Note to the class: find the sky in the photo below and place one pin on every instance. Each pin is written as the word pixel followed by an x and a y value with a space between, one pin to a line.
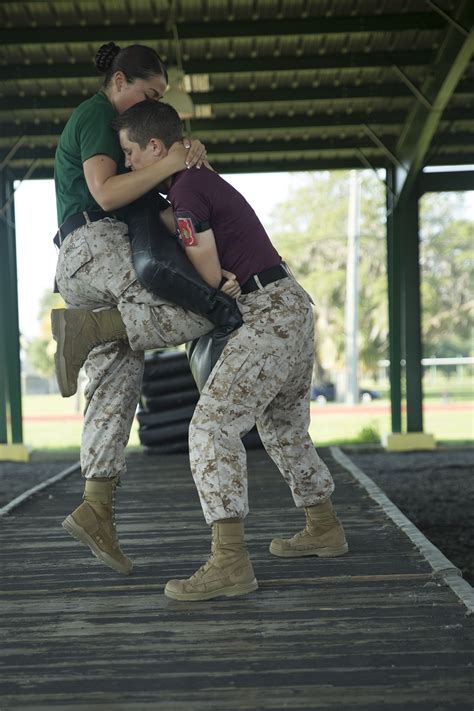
pixel 36 225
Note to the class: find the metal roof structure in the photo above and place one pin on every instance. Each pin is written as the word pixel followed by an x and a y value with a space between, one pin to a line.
pixel 277 84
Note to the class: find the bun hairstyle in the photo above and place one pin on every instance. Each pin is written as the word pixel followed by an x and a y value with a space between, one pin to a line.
pixel 137 61
pixel 105 56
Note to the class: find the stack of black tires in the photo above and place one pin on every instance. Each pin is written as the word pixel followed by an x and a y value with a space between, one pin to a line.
pixel 169 396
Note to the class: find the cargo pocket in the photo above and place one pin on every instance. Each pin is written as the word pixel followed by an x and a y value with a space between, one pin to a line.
pixel 234 376
pixel 77 253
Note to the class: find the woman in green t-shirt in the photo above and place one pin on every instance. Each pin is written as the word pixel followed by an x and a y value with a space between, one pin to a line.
pixel 89 170
pixel 95 271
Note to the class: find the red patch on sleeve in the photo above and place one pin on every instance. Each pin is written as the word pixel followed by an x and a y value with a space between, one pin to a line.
pixel 186 229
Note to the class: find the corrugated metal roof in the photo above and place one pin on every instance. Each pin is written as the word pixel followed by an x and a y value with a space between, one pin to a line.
pixel 274 82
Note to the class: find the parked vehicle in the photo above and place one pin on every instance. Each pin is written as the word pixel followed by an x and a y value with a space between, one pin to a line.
pixel 326 392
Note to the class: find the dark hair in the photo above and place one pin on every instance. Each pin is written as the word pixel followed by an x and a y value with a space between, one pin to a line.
pixel 150 119
pixel 135 61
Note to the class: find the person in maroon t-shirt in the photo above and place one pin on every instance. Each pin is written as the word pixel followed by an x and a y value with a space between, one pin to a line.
pixel 262 377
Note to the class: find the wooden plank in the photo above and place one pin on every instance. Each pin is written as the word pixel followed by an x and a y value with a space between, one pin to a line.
pixel 368 630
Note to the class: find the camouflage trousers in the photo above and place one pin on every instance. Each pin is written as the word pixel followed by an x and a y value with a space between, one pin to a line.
pixel 263 377
pixel 94 271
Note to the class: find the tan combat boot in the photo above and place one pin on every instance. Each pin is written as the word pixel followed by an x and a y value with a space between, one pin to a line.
pixel 228 571
pixel 323 536
pixel 77 331
pixel 93 523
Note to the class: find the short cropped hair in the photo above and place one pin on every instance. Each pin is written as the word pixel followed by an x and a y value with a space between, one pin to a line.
pixel 150 119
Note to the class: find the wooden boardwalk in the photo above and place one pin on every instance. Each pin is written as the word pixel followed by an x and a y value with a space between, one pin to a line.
pixel 374 630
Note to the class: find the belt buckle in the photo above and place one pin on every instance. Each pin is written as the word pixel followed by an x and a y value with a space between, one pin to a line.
pixel 257 281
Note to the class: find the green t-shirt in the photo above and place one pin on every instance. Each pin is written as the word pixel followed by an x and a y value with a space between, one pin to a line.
pixel 87 133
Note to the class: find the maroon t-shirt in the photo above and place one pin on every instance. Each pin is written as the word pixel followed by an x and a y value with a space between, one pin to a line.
pixel 243 246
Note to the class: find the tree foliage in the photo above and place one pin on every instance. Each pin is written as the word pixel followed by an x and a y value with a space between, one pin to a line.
pixel 310 232
pixel 447 268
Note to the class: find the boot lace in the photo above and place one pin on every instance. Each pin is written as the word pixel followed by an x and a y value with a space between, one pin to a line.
pixel 301 535
pixel 201 572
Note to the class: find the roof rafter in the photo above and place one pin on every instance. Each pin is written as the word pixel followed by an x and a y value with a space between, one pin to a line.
pixel 457 180
pixel 224 65
pixel 236 28
pixel 241 96
pixel 45 127
pixel 422 121
pixel 282 145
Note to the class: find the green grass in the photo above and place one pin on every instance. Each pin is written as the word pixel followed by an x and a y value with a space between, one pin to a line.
pixel 450 426
pixel 326 427
pixel 61 434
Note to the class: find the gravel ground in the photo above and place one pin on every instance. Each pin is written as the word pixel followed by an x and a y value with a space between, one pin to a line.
pixel 435 490
pixel 17 477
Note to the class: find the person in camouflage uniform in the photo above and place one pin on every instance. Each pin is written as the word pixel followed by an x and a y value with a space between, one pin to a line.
pixel 95 271
pixel 262 377
pixel 104 276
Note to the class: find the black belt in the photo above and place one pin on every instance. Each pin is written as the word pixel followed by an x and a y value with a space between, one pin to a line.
pixel 78 220
pixel 258 281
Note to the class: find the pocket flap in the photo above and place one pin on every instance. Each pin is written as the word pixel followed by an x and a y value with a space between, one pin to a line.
pixel 77 254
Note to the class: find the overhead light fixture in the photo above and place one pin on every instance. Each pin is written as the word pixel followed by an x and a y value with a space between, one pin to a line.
pixel 176 94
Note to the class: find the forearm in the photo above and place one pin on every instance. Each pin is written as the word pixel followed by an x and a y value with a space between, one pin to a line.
pixel 120 190
pixel 210 272
pixel 206 263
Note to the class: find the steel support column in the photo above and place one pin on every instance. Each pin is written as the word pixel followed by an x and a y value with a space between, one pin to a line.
pixel 3 401
pixel 10 368
pixel 407 215
pixel 394 305
pixel 3 324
